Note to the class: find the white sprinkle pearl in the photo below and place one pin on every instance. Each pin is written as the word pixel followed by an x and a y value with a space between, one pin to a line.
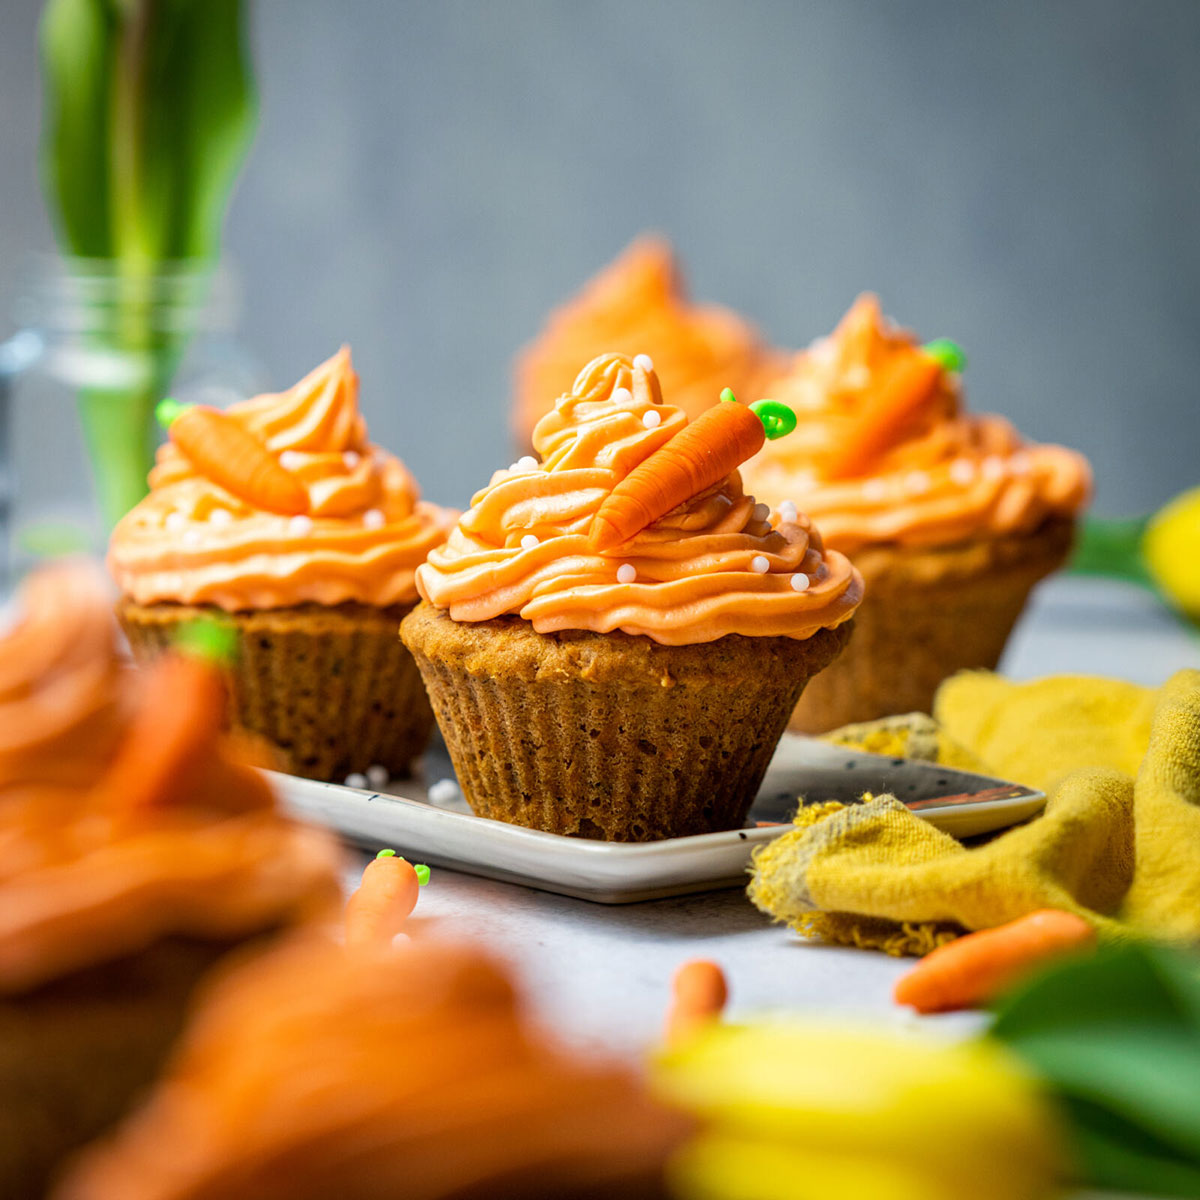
pixel 191 537
pixel 626 573
pixel 644 362
pixel 762 512
pixel 799 582
pixel 1020 463
pixel 962 471
pixel 220 516
pixel 378 775
pixel 526 463
pixel 622 396
pixel 443 791
pixel 356 779
pixel 351 459
pixel 300 526
pixel 530 541
pixel 874 490
pixel 652 418
pixel 994 468
pixel 788 511
pixel 291 460
pixel 373 518
pixel 917 482
pixel 760 564
pixel 856 376
pixel 176 521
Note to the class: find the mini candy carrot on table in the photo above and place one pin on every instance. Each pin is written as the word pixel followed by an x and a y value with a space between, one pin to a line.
pixel 698 456
pixel 897 393
pixel 232 457
pixel 698 996
pixel 386 896
pixel 975 969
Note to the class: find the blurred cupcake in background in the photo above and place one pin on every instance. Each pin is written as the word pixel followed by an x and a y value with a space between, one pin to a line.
pixel 624 682
pixel 638 305
pixel 952 518
pixel 415 1073
pixel 280 516
pixel 135 853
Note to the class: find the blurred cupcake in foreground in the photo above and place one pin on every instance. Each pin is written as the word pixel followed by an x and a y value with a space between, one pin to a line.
pixel 312 1073
pixel 638 305
pixel 612 638
pixel 281 517
pixel 951 518
pixel 134 854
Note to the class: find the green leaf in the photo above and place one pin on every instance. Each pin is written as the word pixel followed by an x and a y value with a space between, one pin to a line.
pixel 1116 1037
pixel 77 39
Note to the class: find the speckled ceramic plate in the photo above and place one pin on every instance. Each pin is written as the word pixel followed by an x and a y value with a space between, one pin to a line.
pixel 427 819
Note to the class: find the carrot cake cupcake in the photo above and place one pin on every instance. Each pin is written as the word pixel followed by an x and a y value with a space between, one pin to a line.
pixel 952 518
pixel 638 304
pixel 615 633
pixel 314 1073
pixel 281 517
pixel 134 854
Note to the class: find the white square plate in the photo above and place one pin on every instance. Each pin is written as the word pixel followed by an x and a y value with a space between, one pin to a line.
pixel 447 835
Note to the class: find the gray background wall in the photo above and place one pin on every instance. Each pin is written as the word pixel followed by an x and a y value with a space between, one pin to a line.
pixel 430 178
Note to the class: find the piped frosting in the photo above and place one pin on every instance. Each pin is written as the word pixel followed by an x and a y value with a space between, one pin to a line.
pixel 942 476
pixel 363 535
pixel 693 576
pixel 83 879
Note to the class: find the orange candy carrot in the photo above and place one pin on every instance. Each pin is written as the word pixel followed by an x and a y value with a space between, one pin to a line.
pixel 233 457
pixel 177 722
pixel 698 996
pixel 377 911
pixel 975 969
pixel 698 456
pixel 898 392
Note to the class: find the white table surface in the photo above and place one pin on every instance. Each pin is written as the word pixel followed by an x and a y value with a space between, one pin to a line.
pixel 599 974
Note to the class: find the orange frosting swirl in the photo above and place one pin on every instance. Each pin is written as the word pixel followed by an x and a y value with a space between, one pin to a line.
pixel 945 477
pixel 192 542
pixel 307 1073
pixel 716 565
pixel 64 694
pixel 638 305
pixel 83 880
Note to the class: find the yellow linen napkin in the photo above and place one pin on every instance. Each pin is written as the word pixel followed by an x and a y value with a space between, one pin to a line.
pixel 1125 856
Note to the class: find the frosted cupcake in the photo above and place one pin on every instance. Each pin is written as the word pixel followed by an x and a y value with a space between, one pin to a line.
pixel 309 1075
pixel 623 682
pixel 638 304
pixel 952 518
pixel 305 538
pixel 135 854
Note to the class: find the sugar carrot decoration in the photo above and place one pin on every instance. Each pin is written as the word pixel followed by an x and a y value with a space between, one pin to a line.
pixel 386 896
pixel 698 456
pixel 232 457
pixel 975 969
pixel 898 392
pixel 698 996
pixel 174 732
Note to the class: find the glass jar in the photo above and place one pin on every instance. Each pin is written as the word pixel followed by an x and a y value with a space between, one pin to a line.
pixel 98 348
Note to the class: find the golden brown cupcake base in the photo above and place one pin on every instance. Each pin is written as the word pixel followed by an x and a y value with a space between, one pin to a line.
pixel 76 1054
pixel 926 614
pixel 332 687
pixel 609 736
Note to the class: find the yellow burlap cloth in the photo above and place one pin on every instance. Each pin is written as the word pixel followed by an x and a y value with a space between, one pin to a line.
pixel 1118 842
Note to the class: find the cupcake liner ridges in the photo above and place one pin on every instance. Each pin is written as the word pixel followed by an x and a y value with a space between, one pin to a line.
pixel 609 736
pixel 332 688
pixel 926 614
